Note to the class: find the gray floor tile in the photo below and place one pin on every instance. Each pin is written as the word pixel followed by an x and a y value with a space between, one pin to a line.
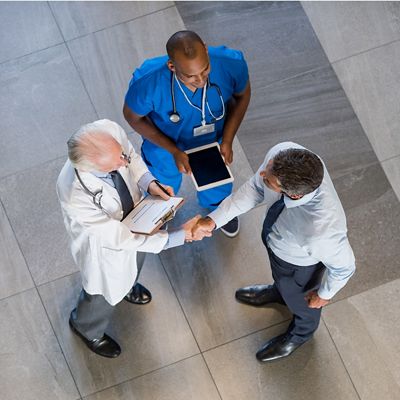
pixel 31 203
pixel 276 37
pixel 151 336
pixel 42 102
pixel 312 110
pixel 206 274
pixel 314 371
pixel 392 170
pixel 15 276
pixel 107 68
pixel 370 81
pixel 366 329
pixel 356 25
pixel 26 27
pixel 188 379
pixel 373 220
pixel 31 362
pixel 80 18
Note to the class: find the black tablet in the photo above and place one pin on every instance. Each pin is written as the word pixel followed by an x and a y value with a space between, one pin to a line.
pixel 208 167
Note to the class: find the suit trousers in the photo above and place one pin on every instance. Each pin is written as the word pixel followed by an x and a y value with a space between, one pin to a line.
pixel 293 282
pixel 93 313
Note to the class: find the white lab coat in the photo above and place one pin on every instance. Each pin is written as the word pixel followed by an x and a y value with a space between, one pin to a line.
pixel 103 248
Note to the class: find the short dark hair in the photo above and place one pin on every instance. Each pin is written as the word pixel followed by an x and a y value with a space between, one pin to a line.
pixel 299 171
pixel 183 42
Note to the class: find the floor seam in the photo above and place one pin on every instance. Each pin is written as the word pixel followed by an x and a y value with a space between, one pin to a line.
pixel 341 359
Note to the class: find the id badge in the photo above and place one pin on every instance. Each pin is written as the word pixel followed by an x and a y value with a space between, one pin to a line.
pixel 203 129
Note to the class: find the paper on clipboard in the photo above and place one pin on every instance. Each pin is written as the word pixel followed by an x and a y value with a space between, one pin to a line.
pixel 151 213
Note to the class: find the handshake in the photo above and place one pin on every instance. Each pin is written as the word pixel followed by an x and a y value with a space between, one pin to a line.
pixel 197 228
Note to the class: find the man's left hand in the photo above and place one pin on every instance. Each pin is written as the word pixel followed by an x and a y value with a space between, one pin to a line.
pixel 227 152
pixel 314 301
pixel 155 190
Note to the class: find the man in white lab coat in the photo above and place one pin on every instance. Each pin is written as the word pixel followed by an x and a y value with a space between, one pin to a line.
pixel 98 186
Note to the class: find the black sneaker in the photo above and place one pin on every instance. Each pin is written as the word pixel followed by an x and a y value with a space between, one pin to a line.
pixel 231 229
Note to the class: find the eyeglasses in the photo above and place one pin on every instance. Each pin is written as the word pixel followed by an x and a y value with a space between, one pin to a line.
pixel 125 157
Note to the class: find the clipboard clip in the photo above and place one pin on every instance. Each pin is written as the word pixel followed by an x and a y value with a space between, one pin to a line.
pixel 168 216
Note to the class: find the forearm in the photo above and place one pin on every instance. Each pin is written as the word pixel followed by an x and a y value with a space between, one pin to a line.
pixel 334 280
pixel 236 110
pixel 145 127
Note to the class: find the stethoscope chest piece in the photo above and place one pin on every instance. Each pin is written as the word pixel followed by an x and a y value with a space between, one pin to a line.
pixel 174 117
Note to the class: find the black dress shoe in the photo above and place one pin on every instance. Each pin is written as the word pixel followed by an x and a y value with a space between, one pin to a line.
pixel 258 295
pixel 138 295
pixel 105 346
pixel 278 347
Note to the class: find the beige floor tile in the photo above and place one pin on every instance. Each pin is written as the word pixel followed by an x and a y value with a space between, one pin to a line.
pixel 366 329
pixel 151 336
pixel 80 18
pixel 42 102
pixel 314 371
pixel 186 380
pixel 357 25
pixel 392 170
pixel 106 68
pixel 15 276
pixel 26 27
pixel 35 215
pixel 31 362
pixel 370 81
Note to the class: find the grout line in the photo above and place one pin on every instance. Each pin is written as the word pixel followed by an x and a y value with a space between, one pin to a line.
pixel 40 298
pixel 246 335
pixel 120 23
pixel 59 344
pixel 30 54
pixel 339 60
pixel 142 375
pixel 188 323
pixel 32 166
pixel 341 359
pixel 56 279
pixel 390 158
pixel 74 63
pixel 279 81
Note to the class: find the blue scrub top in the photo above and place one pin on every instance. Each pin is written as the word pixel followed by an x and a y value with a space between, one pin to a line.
pixel 149 94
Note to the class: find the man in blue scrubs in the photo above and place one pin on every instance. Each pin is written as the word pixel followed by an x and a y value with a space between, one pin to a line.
pixel 166 104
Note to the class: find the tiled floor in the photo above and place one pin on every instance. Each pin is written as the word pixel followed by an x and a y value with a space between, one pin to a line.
pixel 66 63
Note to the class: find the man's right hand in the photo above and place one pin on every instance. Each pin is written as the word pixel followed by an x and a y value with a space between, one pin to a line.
pixel 182 161
pixel 203 227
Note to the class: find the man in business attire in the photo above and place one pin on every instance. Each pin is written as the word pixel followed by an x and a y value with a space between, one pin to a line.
pixel 98 186
pixel 305 235
pixel 193 96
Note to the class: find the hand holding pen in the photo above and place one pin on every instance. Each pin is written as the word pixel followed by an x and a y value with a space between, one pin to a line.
pixel 157 189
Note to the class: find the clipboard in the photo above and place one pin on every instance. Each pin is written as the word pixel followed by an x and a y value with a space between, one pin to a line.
pixel 151 213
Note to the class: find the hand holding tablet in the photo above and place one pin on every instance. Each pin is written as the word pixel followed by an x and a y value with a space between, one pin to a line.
pixel 208 167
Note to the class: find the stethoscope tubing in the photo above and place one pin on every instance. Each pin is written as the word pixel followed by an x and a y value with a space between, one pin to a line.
pixel 175 117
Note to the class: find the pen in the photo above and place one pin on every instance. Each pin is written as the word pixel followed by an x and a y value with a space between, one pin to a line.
pixel 162 188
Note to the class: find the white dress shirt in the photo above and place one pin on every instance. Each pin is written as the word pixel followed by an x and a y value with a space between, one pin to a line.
pixel 309 230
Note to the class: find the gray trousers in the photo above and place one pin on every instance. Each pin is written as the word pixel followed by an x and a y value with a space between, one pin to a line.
pixel 93 313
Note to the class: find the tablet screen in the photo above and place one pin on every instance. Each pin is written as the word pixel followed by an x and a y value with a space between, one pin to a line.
pixel 208 166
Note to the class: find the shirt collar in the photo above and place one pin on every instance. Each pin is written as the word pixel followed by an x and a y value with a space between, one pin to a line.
pixel 290 203
pixel 100 174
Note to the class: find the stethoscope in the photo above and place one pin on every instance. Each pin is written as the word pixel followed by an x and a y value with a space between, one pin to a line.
pixel 96 196
pixel 175 117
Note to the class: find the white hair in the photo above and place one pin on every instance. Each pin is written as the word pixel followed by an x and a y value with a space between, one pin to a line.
pixel 86 145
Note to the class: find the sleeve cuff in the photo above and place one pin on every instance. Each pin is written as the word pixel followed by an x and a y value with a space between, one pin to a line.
pixel 175 238
pixel 145 181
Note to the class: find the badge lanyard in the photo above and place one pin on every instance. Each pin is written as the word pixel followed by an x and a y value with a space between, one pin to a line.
pixel 203 102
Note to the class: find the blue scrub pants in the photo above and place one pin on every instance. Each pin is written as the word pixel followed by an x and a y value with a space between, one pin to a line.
pixel 162 165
